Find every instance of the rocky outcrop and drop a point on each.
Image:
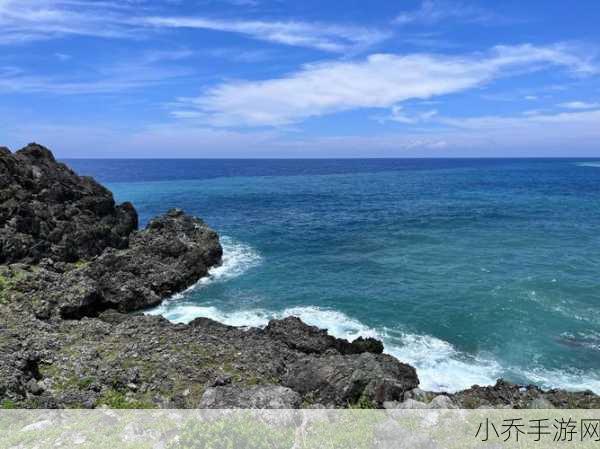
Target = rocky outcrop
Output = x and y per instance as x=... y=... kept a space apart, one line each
x=508 y=395
x=46 y=210
x=171 y=254
x=310 y=339
x=146 y=361
x=342 y=380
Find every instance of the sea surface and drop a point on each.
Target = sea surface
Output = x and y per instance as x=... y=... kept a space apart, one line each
x=470 y=270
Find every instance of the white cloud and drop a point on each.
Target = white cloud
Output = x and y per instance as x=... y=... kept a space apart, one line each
x=579 y=105
x=433 y=11
x=585 y=118
x=379 y=81
x=568 y=133
x=399 y=115
x=331 y=38
x=149 y=69
x=27 y=20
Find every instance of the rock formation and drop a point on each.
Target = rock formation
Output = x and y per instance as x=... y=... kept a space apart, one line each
x=46 y=210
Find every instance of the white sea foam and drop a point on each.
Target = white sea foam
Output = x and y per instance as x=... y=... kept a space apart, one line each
x=185 y=312
x=441 y=366
x=574 y=381
x=237 y=259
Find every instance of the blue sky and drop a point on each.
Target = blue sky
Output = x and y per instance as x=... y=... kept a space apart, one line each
x=271 y=78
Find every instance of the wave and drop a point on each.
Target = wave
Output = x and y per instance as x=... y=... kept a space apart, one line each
x=573 y=381
x=440 y=366
x=237 y=259
x=588 y=164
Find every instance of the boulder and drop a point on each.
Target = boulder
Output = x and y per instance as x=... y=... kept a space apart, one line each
x=302 y=337
x=442 y=402
x=342 y=380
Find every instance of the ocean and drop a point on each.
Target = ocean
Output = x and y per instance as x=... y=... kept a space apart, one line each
x=469 y=269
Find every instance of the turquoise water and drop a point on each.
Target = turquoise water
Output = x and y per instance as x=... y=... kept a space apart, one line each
x=470 y=270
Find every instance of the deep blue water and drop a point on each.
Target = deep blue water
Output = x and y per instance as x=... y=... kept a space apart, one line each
x=469 y=269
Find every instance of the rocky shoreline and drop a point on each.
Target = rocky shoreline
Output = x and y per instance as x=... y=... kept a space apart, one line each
x=75 y=274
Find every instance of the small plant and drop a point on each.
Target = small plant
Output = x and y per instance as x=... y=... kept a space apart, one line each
x=7 y=404
x=363 y=403
x=117 y=400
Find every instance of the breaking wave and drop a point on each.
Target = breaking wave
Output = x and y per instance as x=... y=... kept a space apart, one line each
x=440 y=366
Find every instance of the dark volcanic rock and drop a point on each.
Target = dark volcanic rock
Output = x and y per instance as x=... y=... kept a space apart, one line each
x=506 y=394
x=310 y=339
x=171 y=254
x=46 y=210
x=342 y=380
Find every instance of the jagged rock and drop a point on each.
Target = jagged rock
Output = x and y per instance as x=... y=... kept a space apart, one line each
x=341 y=380
x=419 y=395
x=46 y=210
x=264 y=396
x=442 y=402
x=362 y=344
x=310 y=339
x=506 y=394
x=171 y=254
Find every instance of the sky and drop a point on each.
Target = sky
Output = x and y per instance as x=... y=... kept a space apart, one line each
x=301 y=79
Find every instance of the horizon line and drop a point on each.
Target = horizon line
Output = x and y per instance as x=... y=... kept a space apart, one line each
x=323 y=158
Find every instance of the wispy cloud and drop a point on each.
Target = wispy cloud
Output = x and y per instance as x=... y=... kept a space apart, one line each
x=540 y=119
x=331 y=38
x=149 y=69
x=547 y=134
x=579 y=105
x=400 y=115
x=433 y=11
x=27 y=20
x=379 y=81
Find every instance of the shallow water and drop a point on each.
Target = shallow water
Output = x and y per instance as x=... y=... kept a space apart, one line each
x=468 y=269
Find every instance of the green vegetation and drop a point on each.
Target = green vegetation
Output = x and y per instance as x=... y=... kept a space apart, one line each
x=363 y=403
x=81 y=264
x=3 y=290
x=9 y=279
x=7 y=404
x=116 y=399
